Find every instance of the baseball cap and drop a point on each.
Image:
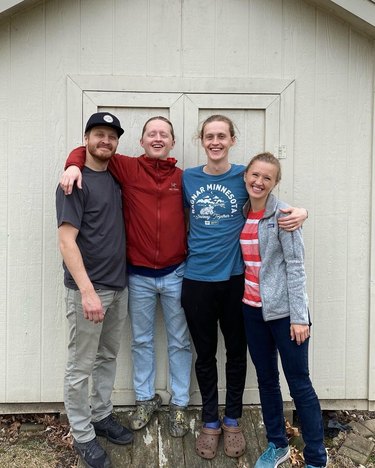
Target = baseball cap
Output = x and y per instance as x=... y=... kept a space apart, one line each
x=104 y=119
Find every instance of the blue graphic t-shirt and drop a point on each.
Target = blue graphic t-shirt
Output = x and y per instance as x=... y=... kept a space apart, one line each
x=216 y=221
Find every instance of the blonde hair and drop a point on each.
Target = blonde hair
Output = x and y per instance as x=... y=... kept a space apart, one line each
x=268 y=158
x=218 y=118
x=159 y=117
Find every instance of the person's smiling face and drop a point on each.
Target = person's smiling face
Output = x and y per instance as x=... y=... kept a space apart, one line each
x=157 y=139
x=217 y=141
x=101 y=143
x=260 y=179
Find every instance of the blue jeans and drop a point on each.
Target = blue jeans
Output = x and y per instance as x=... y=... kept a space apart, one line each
x=92 y=351
x=144 y=292
x=265 y=341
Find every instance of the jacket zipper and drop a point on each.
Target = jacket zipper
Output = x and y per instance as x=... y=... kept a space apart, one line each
x=158 y=216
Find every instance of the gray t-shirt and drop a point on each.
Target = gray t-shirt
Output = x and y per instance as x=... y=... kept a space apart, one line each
x=96 y=211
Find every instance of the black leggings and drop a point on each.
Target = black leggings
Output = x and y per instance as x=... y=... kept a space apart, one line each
x=206 y=303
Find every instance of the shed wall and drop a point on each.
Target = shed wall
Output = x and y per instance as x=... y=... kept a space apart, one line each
x=332 y=65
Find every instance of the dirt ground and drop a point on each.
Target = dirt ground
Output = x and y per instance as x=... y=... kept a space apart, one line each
x=35 y=441
x=43 y=441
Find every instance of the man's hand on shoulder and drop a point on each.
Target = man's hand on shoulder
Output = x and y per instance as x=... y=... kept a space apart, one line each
x=294 y=220
x=69 y=176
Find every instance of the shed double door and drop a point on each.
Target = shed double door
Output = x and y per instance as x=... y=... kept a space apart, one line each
x=259 y=127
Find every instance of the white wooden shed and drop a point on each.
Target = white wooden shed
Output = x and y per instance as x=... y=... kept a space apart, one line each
x=297 y=77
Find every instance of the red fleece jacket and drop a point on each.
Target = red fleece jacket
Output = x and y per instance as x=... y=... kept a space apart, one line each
x=152 y=206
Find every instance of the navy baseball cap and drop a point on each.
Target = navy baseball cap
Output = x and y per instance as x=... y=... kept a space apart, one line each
x=104 y=119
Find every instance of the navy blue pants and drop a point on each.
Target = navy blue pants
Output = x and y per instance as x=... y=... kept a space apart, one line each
x=206 y=305
x=265 y=341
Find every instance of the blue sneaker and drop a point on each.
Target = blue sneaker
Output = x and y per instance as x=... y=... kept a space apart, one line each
x=273 y=456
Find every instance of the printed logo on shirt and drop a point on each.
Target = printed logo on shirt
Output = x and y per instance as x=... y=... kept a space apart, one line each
x=174 y=187
x=213 y=203
x=271 y=225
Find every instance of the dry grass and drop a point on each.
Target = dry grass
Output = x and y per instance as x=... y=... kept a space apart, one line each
x=47 y=445
x=29 y=451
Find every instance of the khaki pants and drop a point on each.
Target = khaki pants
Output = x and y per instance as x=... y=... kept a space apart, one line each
x=92 y=351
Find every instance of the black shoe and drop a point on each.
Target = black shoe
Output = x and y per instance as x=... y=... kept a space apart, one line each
x=92 y=454
x=113 y=431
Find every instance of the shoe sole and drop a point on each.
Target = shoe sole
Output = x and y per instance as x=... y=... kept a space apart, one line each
x=283 y=459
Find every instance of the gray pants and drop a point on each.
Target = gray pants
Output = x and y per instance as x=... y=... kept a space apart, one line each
x=92 y=351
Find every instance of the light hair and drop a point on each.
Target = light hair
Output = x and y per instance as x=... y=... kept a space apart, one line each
x=218 y=118
x=268 y=158
x=159 y=117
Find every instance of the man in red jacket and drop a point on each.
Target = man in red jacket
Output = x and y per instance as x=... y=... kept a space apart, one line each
x=156 y=251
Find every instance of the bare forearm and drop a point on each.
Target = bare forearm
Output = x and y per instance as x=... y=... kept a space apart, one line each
x=91 y=303
x=74 y=263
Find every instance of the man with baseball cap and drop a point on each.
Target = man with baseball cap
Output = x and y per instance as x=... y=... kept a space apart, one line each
x=92 y=243
x=106 y=119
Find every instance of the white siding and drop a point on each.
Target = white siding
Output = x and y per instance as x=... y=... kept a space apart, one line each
x=62 y=31
x=25 y=206
x=4 y=144
x=329 y=172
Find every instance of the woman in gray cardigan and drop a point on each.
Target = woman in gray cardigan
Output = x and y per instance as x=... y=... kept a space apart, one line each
x=276 y=316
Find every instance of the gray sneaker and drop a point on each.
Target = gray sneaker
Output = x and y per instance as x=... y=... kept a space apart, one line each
x=177 y=424
x=145 y=409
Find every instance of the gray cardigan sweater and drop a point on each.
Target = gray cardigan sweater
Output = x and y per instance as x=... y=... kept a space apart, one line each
x=282 y=275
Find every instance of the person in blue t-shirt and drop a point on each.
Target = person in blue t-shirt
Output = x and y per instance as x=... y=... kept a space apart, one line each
x=213 y=282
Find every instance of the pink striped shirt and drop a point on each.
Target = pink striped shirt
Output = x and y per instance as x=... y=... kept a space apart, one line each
x=250 y=252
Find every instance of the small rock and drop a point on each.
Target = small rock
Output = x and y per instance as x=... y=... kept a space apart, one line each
x=31 y=427
x=357 y=448
x=370 y=424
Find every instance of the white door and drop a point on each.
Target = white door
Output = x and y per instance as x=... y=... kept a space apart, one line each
x=264 y=121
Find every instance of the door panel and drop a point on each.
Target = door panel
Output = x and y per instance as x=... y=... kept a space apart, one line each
x=256 y=118
x=133 y=110
x=263 y=122
x=257 y=127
